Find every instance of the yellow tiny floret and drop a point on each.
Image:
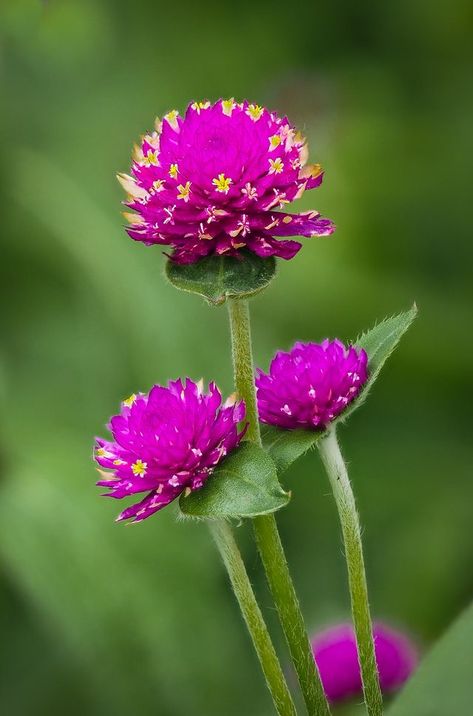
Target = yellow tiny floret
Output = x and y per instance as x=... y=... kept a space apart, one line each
x=173 y=170
x=222 y=183
x=184 y=191
x=130 y=400
x=274 y=141
x=151 y=158
x=171 y=117
x=276 y=166
x=198 y=106
x=139 y=468
x=101 y=452
x=228 y=105
x=158 y=185
x=254 y=111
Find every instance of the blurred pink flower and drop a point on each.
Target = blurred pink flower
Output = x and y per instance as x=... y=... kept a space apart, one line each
x=336 y=656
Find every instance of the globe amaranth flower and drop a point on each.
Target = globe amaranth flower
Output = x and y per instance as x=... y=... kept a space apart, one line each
x=336 y=656
x=214 y=181
x=165 y=443
x=311 y=384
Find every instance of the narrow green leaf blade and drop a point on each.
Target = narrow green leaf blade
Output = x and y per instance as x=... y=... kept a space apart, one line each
x=379 y=343
x=443 y=685
x=286 y=446
x=217 y=278
x=243 y=485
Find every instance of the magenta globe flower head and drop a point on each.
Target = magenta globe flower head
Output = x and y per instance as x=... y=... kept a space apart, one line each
x=214 y=181
x=165 y=443
x=311 y=384
x=336 y=657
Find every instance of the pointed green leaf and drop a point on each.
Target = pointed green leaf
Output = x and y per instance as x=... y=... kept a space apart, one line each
x=285 y=446
x=443 y=684
x=217 y=278
x=379 y=343
x=245 y=484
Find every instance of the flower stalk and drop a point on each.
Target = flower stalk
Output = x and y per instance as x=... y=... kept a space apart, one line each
x=345 y=500
x=265 y=527
x=225 y=541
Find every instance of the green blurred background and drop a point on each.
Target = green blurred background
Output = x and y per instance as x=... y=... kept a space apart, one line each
x=101 y=619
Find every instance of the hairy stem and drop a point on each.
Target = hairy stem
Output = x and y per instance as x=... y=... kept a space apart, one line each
x=223 y=536
x=266 y=531
x=343 y=493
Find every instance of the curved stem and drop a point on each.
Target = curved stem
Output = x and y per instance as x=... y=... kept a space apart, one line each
x=292 y=622
x=266 y=531
x=231 y=556
x=343 y=493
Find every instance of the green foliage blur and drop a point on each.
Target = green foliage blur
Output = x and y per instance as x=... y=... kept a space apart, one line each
x=104 y=619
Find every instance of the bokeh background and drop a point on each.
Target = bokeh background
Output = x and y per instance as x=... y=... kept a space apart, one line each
x=104 y=619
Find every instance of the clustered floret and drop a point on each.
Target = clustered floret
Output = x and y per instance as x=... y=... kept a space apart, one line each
x=217 y=181
x=310 y=385
x=167 y=442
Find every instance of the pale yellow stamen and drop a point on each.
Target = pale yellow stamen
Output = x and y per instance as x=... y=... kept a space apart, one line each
x=130 y=400
x=184 y=191
x=222 y=183
x=171 y=118
x=228 y=105
x=173 y=170
x=158 y=185
x=151 y=158
x=254 y=111
x=274 y=141
x=139 y=468
x=198 y=106
x=276 y=166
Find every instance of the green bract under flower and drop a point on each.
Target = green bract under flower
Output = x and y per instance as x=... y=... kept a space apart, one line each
x=217 y=278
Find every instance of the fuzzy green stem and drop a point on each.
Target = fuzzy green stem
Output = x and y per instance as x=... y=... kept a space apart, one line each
x=243 y=370
x=345 y=500
x=266 y=531
x=223 y=536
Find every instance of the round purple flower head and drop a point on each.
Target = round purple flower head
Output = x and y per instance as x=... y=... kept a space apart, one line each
x=336 y=656
x=213 y=181
x=166 y=443
x=311 y=384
